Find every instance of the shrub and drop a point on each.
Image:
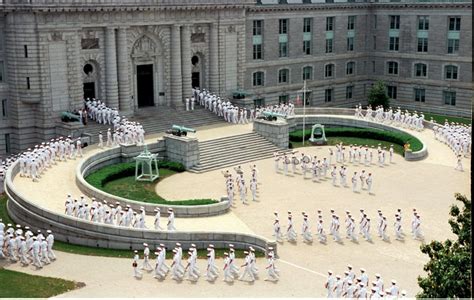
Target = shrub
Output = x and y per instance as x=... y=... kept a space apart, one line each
x=374 y=134
x=378 y=95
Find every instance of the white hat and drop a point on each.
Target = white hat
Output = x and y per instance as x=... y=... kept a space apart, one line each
x=329 y=271
x=362 y=269
x=145 y=244
x=377 y=275
x=48 y=231
x=394 y=281
x=178 y=244
x=404 y=292
x=231 y=245
x=246 y=252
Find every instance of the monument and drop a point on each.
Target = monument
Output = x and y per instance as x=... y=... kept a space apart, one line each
x=318 y=136
x=146 y=167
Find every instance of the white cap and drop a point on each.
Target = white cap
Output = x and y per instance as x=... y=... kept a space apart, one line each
x=145 y=244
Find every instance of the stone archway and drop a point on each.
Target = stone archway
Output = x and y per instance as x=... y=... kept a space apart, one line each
x=90 y=79
x=197 y=70
x=148 y=71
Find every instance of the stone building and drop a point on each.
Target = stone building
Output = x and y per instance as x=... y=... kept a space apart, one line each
x=140 y=53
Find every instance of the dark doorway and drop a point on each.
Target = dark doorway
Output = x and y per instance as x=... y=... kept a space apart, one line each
x=145 y=85
x=195 y=79
x=89 y=90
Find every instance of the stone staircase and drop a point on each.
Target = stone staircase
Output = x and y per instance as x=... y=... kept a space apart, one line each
x=229 y=151
x=159 y=119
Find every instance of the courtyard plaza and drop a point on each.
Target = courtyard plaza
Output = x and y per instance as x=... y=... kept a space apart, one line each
x=427 y=185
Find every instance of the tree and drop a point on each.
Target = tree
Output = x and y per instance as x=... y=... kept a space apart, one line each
x=378 y=95
x=449 y=268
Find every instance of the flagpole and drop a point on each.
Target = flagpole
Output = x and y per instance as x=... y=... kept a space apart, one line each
x=304 y=108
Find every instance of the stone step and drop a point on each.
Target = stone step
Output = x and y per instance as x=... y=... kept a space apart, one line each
x=248 y=154
x=237 y=151
x=236 y=144
x=223 y=164
x=248 y=137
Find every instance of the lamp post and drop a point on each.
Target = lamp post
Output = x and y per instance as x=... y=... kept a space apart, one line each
x=304 y=109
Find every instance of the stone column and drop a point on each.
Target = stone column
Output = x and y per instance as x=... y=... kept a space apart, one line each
x=74 y=67
x=123 y=63
x=186 y=60
x=111 y=69
x=213 y=58
x=176 y=75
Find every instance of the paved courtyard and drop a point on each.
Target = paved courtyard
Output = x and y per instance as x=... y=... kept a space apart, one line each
x=427 y=185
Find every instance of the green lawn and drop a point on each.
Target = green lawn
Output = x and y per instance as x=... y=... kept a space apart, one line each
x=20 y=285
x=441 y=118
x=332 y=141
x=94 y=251
x=119 y=180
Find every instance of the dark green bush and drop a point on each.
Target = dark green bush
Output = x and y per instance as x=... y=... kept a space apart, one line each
x=367 y=133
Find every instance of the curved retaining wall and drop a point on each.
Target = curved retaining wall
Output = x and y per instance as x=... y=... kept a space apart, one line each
x=296 y=123
x=81 y=232
x=116 y=155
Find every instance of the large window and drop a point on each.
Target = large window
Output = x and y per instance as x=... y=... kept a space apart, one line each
x=393 y=43
x=283 y=26
x=283 y=49
x=451 y=72
x=449 y=97
x=392 y=68
x=2 y=75
x=307 y=47
x=329 y=45
x=257 y=27
x=422 y=44
x=349 y=92
x=307 y=24
x=258 y=79
x=420 y=70
x=454 y=23
x=350 y=44
x=328 y=95
x=283 y=76
x=308 y=73
x=453 y=46
x=351 y=22
x=283 y=99
x=329 y=23
x=392 y=91
x=394 y=22
x=350 y=68
x=329 y=70
x=419 y=95
x=257 y=51
x=423 y=23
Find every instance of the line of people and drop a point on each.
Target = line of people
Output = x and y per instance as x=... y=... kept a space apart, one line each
x=397 y=117
x=457 y=137
x=335 y=227
x=178 y=271
x=352 y=286
x=107 y=213
x=20 y=244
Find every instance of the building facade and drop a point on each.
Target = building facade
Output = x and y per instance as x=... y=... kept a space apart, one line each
x=143 y=53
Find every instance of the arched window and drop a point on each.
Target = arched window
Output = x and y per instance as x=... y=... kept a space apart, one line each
x=451 y=72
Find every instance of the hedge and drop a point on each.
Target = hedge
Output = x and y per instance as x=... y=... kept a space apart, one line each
x=368 y=133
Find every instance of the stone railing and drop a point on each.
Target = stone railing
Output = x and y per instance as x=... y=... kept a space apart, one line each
x=81 y=232
x=126 y=154
x=296 y=123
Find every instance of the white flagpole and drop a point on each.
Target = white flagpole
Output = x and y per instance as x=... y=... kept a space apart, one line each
x=304 y=108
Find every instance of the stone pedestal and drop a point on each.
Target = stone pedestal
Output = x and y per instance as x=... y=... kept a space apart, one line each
x=182 y=149
x=276 y=132
x=74 y=129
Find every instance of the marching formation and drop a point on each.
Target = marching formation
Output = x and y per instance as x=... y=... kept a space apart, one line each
x=179 y=271
x=239 y=181
x=234 y=114
x=364 y=226
x=397 y=118
x=457 y=137
x=352 y=286
x=20 y=244
x=107 y=213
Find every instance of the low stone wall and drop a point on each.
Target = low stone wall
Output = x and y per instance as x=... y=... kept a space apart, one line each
x=276 y=132
x=125 y=154
x=360 y=123
x=81 y=232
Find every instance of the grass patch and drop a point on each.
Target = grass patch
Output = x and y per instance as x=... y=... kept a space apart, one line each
x=441 y=118
x=20 y=285
x=355 y=141
x=105 y=252
x=362 y=136
x=119 y=180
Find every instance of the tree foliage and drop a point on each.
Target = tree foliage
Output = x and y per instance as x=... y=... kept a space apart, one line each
x=449 y=268
x=378 y=95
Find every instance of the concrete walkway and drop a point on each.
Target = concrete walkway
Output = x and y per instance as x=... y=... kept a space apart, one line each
x=428 y=185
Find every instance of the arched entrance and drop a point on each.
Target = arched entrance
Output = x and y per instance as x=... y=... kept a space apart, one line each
x=148 y=72
x=90 y=75
x=197 y=70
